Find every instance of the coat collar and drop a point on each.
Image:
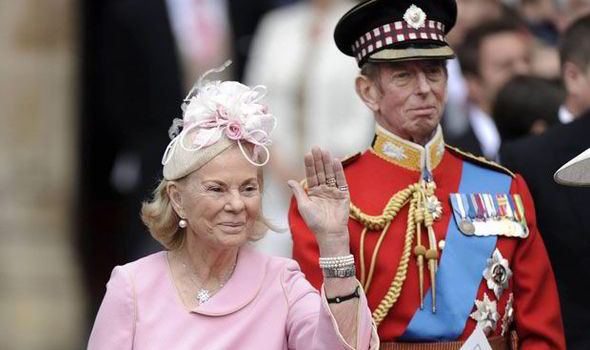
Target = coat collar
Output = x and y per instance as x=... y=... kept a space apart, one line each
x=242 y=287
x=406 y=154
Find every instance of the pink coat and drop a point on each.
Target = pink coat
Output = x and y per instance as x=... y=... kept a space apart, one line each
x=266 y=304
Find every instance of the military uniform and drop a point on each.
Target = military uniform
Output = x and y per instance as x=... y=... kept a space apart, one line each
x=487 y=272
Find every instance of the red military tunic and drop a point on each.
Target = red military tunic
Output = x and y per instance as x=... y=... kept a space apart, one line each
x=389 y=166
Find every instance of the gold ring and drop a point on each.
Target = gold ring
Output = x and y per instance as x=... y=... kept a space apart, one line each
x=331 y=182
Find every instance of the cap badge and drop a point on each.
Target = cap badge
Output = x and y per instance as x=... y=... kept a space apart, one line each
x=415 y=17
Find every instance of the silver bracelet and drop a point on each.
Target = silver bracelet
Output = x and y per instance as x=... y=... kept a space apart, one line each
x=339 y=272
x=336 y=261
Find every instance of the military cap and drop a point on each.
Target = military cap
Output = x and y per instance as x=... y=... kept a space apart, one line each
x=393 y=30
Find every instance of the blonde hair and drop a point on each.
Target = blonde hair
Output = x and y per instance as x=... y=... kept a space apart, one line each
x=162 y=220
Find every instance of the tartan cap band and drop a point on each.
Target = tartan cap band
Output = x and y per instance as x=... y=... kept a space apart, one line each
x=389 y=35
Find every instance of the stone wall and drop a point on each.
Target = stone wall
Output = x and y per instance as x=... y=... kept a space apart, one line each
x=41 y=302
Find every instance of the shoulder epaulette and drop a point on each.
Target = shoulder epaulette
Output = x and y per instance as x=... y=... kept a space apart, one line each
x=346 y=160
x=480 y=160
x=349 y=159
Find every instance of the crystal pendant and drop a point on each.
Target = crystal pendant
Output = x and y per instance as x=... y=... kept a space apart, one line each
x=203 y=296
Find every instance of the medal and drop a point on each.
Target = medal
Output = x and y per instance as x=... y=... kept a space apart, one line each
x=467 y=227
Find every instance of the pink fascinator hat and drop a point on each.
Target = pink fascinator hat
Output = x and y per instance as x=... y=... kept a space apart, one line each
x=217 y=115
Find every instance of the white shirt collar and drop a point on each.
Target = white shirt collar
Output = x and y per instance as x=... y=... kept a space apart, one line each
x=564 y=115
x=486 y=132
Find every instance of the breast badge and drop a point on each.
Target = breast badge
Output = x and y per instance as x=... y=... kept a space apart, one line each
x=486 y=314
x=497 y=273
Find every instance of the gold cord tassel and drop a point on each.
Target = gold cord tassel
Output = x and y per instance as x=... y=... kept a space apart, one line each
x=432 y=252
x=420 y=250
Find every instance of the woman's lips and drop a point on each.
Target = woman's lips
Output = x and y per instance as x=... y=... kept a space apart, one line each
x=231 y=227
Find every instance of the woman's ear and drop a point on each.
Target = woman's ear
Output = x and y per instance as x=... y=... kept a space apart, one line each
x=368 y=90
x=173 y=190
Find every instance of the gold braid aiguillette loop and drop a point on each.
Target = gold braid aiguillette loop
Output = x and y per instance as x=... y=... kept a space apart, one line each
x=418 y=214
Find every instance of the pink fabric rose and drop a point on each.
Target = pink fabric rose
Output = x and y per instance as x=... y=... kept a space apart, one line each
x=234 y=131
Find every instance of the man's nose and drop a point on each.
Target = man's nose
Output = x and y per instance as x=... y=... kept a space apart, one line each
x=422 y=83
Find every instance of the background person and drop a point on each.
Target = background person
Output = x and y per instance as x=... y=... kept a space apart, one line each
x=489 y=56
x=526 y=105
x=563 y=211
x=210 y=289
x=309 y=88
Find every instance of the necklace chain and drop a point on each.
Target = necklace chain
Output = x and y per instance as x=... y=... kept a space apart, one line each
x=203 y=294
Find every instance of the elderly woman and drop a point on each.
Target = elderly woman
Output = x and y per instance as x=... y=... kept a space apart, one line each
x=210 y=289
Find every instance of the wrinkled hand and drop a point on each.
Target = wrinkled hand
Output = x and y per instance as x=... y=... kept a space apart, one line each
x=325 y=206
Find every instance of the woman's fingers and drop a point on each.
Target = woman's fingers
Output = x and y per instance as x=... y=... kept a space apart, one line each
x=322 y=169
x=310 y=173
x=298 y=191
x=339 y=174
x=319 y=165
x=328 y=168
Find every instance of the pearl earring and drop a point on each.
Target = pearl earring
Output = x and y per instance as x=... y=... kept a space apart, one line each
x=182 y=223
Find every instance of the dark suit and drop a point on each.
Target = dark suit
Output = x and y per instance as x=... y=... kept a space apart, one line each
x=131 y=91
x=466 y=141
x=562 y=216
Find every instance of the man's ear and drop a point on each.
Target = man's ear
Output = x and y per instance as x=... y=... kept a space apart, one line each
x=571 y=74
x=368 y=90
x=475 y=90
x=173 y=190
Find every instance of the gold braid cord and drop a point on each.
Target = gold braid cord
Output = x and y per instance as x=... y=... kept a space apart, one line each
x=415 y=194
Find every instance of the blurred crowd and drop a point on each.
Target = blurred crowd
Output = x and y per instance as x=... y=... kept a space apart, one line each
x=139 y=57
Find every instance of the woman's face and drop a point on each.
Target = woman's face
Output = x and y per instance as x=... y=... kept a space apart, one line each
x=221 y=201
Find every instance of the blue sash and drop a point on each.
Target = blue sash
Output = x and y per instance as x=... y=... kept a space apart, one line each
x=461 y=268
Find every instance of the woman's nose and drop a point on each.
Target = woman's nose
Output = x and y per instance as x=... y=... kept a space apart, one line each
x=234 y=203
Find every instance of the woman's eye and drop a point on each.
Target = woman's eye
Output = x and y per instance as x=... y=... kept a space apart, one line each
x=215 y=189
x=251 y=188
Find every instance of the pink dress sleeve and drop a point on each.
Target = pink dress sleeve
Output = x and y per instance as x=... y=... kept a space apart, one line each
x=115 y=322
x=311 y=325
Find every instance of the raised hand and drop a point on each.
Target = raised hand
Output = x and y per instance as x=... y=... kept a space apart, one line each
x=325 y=206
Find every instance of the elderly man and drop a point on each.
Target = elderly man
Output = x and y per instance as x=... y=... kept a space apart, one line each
x=444 y=242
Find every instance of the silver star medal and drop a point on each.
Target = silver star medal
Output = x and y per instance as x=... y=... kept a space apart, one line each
x=434 y=207
x=497 y=273
x=486 y=314
x=508 y=314
x=203 y=296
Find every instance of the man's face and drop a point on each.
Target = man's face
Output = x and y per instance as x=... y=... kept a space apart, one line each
x=411 y=97
x=501 y=56
x=585 y=91
x=577 y=83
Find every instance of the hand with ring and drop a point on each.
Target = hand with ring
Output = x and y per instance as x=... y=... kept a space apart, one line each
x=325 y=205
